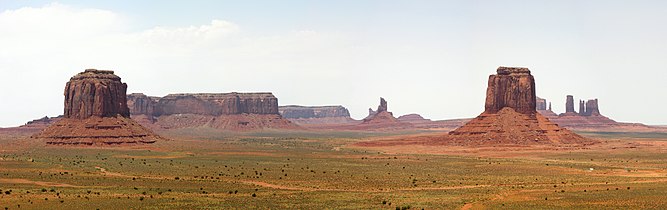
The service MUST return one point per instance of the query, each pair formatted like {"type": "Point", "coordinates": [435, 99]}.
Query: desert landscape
{"type": "Point", "coordinates": [110, 150]}
{"type": "Point", "coordinates": [400, 105]}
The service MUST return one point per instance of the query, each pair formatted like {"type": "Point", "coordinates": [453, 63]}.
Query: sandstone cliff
{"type": "Point", "coordinates": [217, 104]}
{"type": "Point", "coordinates": [226, 111]}
{"type": "Point", "coordinates": [95, 93]}
{"type": "Point", "coordinates": [511, 87]}
{"type": "Point", "coordinates": [569, 106]}
{"type": "Point", "coordinates": [541, 104]}
{"type": "Point", "coordinates": [592, 108]}
{"type": "Point", "coordinates": [140, 104]}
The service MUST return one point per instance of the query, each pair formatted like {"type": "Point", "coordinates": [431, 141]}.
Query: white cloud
{"type": "Point", "coordinates": [42, 47]}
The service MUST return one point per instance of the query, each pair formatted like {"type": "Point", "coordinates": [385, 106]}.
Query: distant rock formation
{"type": "Point", "coordinates": [316, 115]}
{"type": "Point", "coordinates": [140, 104]}
{"type": "Point", "coordinates": [382, 119]}
{"type": "Point", "coordinates": [510, 115]}
{"type": "Point", "coordinates": [228, 111]}
{"type": "Point", "coordinates": [591, 108]}
{"type": "Point", "coordinates": [590, 119]}
{"type": "Point", "coordinates": [383, 105]}
{"type": "Point", "coordinates": [42, 122]}
{"type": "Point", "coordinates": [217, 104]}
{"type": "Point", "coordinates": [295, 112]}
{"type": "Point", "coordinates": [569, 107]}
{"type": "Point", "coordinates": [541, 104]}
{"type": "Point", "coordinates": [96, 112]}
{"type": "Point", "coordinates": [413, 118]}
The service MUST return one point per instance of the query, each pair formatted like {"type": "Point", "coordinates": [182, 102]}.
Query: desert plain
{"type": "Point", "coordinates": [317, 170]}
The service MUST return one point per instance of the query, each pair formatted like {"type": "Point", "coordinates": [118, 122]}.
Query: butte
{"type": "Point", "coordinates": [510, 116]}
{"type": "Point", "coordinates": [96, 113]}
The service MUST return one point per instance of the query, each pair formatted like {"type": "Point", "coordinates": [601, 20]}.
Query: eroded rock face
{"type": "Point", "coordinates": [592, 108]}
{"type": "Point", "coordinates": [569, 104]}
{"type": "Point", "coordinates": [96, 112]}
{"type": "Point", "coordinates": [227, 111]}
{"type": "Point", "coordinates": [383, 105]}
{"type": "Point", "coordinates": [217, 104]}
{"type": "Point", "coordinates": [511, 87]}
{"type": "Point", "coordinates": [95, 93]}
{"type": "Point", "coordinates": [296, 112]}
{"type": "Point", "coordinates": [140, 104]}
{"type": "Point", "coordinates": [541, 104]}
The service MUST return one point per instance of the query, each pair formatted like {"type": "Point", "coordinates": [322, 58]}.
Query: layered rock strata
{"type": "Point", "coordinates": [227, 111]}
{"type": "Point", "coordinates": [316, 115]}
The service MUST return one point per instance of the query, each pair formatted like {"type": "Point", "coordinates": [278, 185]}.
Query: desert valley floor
{"type": "Point", "coordinates": [208, 168]}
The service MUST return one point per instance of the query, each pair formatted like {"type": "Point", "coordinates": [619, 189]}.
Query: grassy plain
{"type": "Point", "coordinates": [200, 169]}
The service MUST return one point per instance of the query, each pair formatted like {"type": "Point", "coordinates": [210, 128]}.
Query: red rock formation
{"type": "Point", "coordinates": [95, 93]}
{"type": "Point", "coordinates": [413, 118]}
{"type": "Point", "coordinates": [317, 115]}
{"type": "Point", "coordinates": [541, 104]}
{"type": "Point", "coordinates": [295, 112]}
{"type": "Point", "coordinates": [510, 116]}
{"type": "Point", "coordinates": [140, 104]}
{"type": "Point", "coordinates": [217, 104]}
{"type": "Point", "coordinates": [96, 112]}
{"type": "Point", "coordinates": [592, 108]}
{"type": "Point", "coordinates": [382, 119]}
{"type": "Point", "coordinates": [590, 119]}
{"type": "Point", "coordinates": [511, 87]}
{"type": "Point", "coordinates": [383, 105]}
{"type": "Point", "coordinates": [227, 111]}
{"type": "Point", "coordinates": [569, 107]}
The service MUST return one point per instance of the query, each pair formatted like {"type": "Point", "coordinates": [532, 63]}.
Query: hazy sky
{"type": "Point", "coordinates": [427, 57]}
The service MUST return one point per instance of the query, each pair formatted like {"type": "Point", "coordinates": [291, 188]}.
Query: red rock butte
{"type": "Point", "coordinates": [96, 112]}
{"type": "Point", "coordinates": [510, 116]}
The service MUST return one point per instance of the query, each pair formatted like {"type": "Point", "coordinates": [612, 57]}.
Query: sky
{"type": "Point", "coordinates": [426, 57]}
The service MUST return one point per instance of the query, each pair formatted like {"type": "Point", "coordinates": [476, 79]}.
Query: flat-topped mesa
{"type": "Point", "coordinates": [307, 112]}
{"type": "Point", "coordinates": [512, 87]}
{"type": "Point", "coordinates": [95, 93]}
{"type": "Point", "coordinates": [217, 104]}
